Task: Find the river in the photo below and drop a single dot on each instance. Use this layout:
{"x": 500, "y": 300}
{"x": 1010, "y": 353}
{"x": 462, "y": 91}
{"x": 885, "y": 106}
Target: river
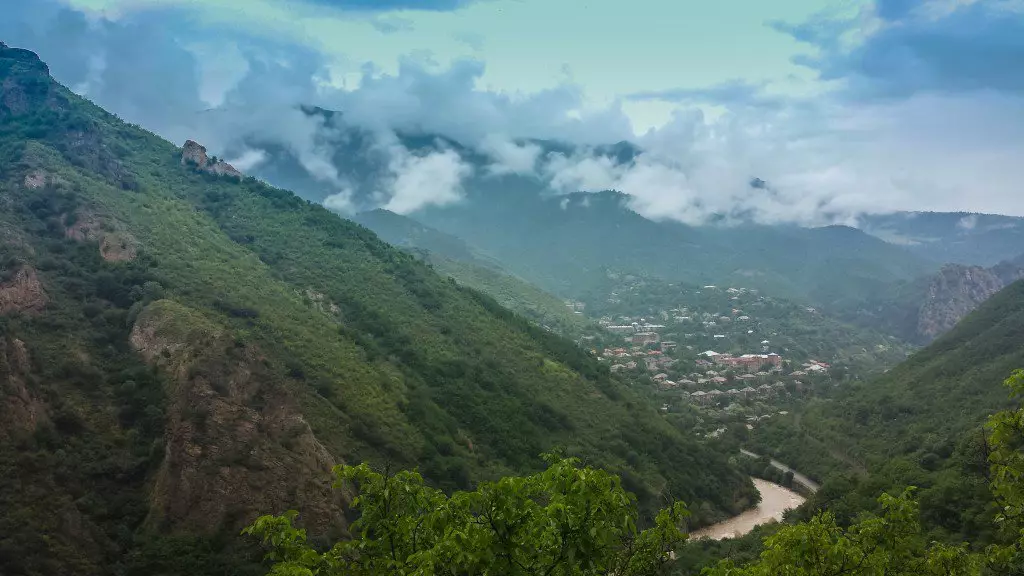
{"x": 775, "y": 500}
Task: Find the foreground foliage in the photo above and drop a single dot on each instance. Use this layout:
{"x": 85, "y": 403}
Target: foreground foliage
{"x": 573, "y": 520}
{"x": 564, "y": 520}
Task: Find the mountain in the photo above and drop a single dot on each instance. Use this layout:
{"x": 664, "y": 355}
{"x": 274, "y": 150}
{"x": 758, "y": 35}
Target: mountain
{"x": 919, "y": 424}
{"x": 951, "y": 237}
{"x": 558, "y": 242}
{"x": 183, "y": 347}
{"x": 469, "y": 266}
{"x": 920, "y": 310}
{"x": 562, "y": 243}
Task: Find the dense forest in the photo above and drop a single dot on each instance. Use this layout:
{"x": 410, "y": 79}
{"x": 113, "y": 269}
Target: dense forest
{"x": 570, "y": 519}
{"x": 919, "y": 424}
{"x": 184, "y": 347}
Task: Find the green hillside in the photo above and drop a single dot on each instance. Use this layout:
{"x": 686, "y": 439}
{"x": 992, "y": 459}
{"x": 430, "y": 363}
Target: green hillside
{"x": 469, "y": 266}
{"x": 182, "y": 348}
{"x": 919, "y": 424}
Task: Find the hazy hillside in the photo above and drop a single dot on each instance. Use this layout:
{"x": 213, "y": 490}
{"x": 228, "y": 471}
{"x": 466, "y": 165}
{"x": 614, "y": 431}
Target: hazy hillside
{"x": 561, "y": 242}
{"x": 181, "y": 348}
{"x": 557, "y": 241}
{"x": 957, "y": 237}
{"x": 470, "y": 267}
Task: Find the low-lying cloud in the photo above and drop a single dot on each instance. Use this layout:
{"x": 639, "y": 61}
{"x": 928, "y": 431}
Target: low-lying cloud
{"x": 937, "y": 126}
{"x": 415, "y": 182}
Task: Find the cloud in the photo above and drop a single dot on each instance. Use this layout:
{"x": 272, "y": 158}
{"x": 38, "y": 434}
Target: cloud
{"x": 909, "y": 47}
{"x": 968, "y": 222}
{"x": 434, "y": 179}
{"x": 248, "y": 160}
{"x": 422, "y": 97}
{"x": 341, "y": 202}
{"x": 919, "y": 108}
{"x": 509, "y": 157}
{"x": 732, "y": 92}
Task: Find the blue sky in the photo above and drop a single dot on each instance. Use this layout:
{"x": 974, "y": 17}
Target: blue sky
{"x": 845, "y": 106}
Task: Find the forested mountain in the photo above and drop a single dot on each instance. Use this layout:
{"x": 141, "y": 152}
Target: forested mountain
{"x": 469, "y": 266}
{"x": 557, "y": 241}
{"x": 560, "y": 243}
{"x": 182, "y": 347}
{"x": 919, "y": 424}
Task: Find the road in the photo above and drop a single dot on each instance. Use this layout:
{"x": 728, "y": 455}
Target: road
{"x": 797, "y": 477}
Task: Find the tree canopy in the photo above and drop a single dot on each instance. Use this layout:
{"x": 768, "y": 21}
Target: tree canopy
{"x": 577, "y": 520}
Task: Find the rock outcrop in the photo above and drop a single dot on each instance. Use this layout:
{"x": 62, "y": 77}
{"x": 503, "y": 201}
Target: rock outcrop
{"x": 22, "y": 293}
{"x": 956, "y": 290}
{"x": 20, "y": 410}
{"x": 236, "y": 444}
{"x": 35, "y": 179}
{"x": 194, "y": 154}
{"x": 114, "y": 245}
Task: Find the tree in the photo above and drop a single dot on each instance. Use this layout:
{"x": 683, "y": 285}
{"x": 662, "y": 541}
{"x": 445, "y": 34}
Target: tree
{"x": 565, "y": 520}
{"x": 580, "y": 521}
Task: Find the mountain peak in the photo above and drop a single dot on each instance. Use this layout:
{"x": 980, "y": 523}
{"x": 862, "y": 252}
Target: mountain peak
{"x": 26, "y": 81}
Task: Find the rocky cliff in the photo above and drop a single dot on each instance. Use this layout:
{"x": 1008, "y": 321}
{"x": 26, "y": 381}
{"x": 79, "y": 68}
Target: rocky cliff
{"x": 194, "y": 154}
{"x": 236, "y": 443}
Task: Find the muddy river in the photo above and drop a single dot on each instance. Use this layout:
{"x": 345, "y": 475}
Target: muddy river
{"x": 775, "y": 500}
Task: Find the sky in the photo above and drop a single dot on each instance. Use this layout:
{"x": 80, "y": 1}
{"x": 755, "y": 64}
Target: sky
{"x": 843, "y": 107}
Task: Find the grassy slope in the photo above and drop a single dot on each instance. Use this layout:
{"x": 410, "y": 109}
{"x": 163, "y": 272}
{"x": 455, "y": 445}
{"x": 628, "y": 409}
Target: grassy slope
{"x": 409, "y": 368}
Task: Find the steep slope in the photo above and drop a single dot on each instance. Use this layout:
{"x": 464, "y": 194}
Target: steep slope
{"x": 918, "y": 424}
{"x": 922, "y": 309}
{"x": 470, "y": 267}
{"x": 183, "y": 348}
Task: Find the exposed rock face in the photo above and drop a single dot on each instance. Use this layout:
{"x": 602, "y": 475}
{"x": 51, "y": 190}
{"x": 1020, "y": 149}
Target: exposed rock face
{"x": 952, "y": 293}
{"x": 35, "y": 180}
{"x": 114, "y": 246}
{"x": 236, "y": 444}
{"x": 22, "y": 293}
{"x": 194, "y": 153}
{"x": 20, "y": 90}
{"x": 20, "y": 411}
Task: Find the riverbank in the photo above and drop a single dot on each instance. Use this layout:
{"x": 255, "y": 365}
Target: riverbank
{"x": 775, "y": 501}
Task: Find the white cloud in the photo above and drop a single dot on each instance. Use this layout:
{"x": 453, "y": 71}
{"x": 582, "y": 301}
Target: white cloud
{"x": 340, "y": 202}
{"x": 248, "y": 159}
{"x": 420, "y": 181}
{"x": 968, "y": 222}
{"x": 508, "y": 157}
{"x": 221, "y": 67}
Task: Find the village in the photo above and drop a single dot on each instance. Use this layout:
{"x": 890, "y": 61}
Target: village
{"x": 715, "y": 353}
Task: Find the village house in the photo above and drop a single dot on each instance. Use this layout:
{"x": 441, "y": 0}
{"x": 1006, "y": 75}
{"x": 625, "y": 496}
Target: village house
{"x": 641, "y": 338}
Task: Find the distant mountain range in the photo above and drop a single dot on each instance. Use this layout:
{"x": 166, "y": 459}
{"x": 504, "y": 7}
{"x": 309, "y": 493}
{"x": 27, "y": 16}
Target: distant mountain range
{"x": 559, "y": 242}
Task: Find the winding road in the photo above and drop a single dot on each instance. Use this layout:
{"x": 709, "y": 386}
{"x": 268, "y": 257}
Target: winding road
{"x": 804, "y": 481}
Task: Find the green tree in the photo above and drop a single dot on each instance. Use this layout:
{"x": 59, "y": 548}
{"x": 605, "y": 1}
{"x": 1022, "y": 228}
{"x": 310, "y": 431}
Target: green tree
{"x": 565, "y": 520}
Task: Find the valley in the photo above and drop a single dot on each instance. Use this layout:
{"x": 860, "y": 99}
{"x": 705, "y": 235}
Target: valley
{"x": 349, "y": 288}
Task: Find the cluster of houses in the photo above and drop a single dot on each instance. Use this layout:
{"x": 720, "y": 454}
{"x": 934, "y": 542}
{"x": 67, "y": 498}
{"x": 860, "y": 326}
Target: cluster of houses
{"x": 632, "y": 358}
{"x": 747, "y": 361}
{"x": 745, "y": 393}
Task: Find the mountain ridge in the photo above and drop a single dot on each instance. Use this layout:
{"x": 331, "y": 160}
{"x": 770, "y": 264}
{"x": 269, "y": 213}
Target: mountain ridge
{"x": 232, "y": 341}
